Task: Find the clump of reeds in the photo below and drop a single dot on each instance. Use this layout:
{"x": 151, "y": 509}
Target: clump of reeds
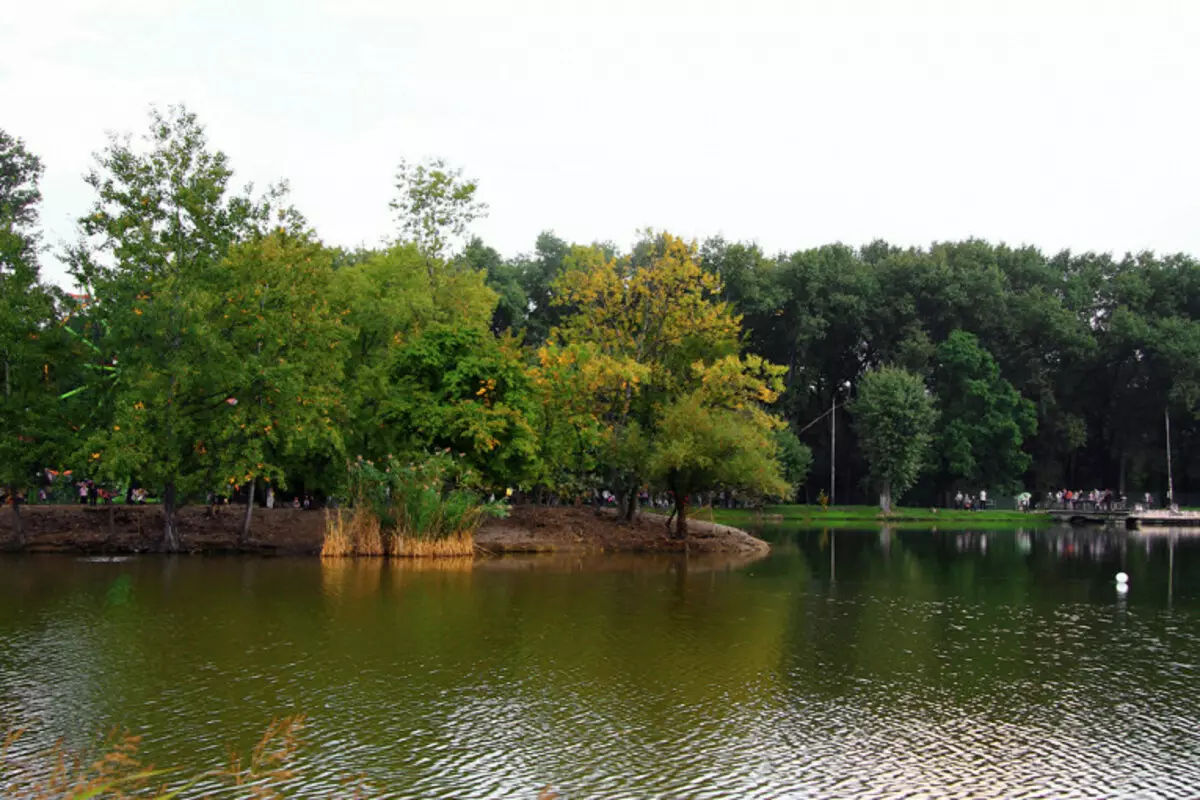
{"x": 422, "y": 509}
{"x": 454, "y": 545}
{"x": 356, "y": 533}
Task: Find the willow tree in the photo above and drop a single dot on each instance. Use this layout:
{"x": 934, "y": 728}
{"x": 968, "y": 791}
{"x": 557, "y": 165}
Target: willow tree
{"x": 163, "y": 219}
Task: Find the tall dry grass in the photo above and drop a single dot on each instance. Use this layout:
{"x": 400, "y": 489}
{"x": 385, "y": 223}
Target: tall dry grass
{"x": 425, "y": 508}
{"x": 115, "y": 770}
{"x": 454, "y": 545}
{"x": 352, "y": 533}
{"x": 360, "y": 532}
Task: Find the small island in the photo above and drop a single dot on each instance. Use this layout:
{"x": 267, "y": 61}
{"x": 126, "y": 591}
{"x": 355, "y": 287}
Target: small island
{"x": 124, "y": 530}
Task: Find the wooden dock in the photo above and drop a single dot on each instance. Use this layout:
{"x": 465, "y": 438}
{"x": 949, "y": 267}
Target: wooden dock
{"x": 1133, "y": 519}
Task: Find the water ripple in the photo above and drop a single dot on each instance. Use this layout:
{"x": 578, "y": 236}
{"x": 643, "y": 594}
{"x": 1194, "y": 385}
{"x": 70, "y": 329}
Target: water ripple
{"x": 666, "y": 683}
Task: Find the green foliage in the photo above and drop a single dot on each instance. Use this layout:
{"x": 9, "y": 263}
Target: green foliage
{"x": 701, "y": 447}
{"x": 160, "y": 226}
{"x": 984, "y": 419}
{"x": 434, "y": 204}
{"x": 32, "y": 346}
{"x": 661, "y": 345}
{"x": 894, "y": 415}
{"x": 276, "y": 350}
{"x": 795, "y": 458}
{"x": 571, "y": 384}
{"x": 433, "y": 496}
{"x": 386, "y": 299}
{"x": 538, "y": 274}
{"x": 504, "y": 279}
{"x": 464, "y": 389}
{"x": 568, "y": 368}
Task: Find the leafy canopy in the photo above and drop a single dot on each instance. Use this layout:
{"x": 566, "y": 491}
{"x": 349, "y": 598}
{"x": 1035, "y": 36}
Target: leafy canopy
{"x": 434, "y": 205}
{"x": 894, "y": 416}
{"x": 32, "y": 355}
{"x": 985, "y": 421}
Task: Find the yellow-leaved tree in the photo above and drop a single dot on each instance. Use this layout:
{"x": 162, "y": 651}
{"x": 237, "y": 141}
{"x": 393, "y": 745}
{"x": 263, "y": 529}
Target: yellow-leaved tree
{"x": 674, "y": 405}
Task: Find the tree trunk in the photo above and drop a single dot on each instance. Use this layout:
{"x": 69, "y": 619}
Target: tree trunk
{"x": 681, "y": 528}
{"x": 885, "y": 497}
{"x": 244, "y": 536}
{"x": 18, "y": 525}
{"x": 631, "y": 505}
{"x": 170, "y": 523}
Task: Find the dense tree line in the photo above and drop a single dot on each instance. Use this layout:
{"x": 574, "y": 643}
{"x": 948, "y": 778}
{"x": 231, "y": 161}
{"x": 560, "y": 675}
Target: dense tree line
{"x": 1047, "y": 371}
{"x": 217, "y": 345}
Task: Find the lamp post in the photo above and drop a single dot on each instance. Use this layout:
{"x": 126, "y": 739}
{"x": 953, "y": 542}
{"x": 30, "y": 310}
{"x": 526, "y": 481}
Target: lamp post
{"x": 833, "y": 407}
{"x": 832, "y": 446}
{"x": 1170, "y": 479}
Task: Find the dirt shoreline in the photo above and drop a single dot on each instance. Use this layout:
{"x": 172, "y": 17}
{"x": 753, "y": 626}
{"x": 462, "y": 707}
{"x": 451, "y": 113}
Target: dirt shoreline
{"x": 121, "y": 529}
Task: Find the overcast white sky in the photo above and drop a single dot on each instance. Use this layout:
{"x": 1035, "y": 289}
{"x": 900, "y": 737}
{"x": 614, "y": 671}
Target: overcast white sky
{"x": 1059, "y": 123}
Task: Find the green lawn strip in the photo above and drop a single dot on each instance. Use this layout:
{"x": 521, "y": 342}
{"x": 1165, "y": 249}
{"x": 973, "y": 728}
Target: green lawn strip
{"x": 850, "y": 515}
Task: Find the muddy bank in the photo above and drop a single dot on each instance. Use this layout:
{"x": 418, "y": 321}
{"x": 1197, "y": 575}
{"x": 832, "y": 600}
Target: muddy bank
{"x": 287, "y": 531}
{"x": 532, "y": 529}
{"x": 139, "y": 529}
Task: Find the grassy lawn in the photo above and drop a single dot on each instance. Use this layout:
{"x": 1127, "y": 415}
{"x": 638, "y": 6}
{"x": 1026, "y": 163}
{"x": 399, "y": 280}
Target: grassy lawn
{"x": 868, "y": 515}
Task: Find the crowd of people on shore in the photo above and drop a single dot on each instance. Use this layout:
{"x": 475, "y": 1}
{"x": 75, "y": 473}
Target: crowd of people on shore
{"x": 968, "y": 502}
{"x": 1093, "y": 500}
{"x": 57, "y": 488}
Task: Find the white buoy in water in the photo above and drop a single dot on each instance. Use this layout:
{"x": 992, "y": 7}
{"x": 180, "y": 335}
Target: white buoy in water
{"x": 1122, "y": 578}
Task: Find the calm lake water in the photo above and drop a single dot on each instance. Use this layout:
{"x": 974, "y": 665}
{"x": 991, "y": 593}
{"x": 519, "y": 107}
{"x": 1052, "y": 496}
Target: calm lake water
{"x": 859, "y": 664}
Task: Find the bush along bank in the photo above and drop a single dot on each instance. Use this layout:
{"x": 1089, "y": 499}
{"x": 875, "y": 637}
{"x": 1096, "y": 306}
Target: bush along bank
{"x": 430, "y": 507}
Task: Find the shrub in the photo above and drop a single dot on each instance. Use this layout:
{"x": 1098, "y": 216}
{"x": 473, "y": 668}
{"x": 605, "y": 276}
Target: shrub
{"x": 429, "y": 506}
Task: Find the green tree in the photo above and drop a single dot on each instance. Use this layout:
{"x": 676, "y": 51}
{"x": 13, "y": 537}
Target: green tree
{"x": 538, "y": 275}
{"x": 651, "y": 322}
{"x": 162, "y": 221}
{"x": 29, "y": 427}
{"x": 461, "y": 388}
{"x": 386, "y": 300}
{"x": 576, "y": 388}
{"x": 434, "y": 205}
{"x": 504, "y": 279}
{"x": 894, "y": 415}
{"x": 795, "y": 458}
{"x": 985, "y": 421}
{"x": 277, "y": 352}
{"x": 669, "y": 346}
{"x": 719, "y": 436}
